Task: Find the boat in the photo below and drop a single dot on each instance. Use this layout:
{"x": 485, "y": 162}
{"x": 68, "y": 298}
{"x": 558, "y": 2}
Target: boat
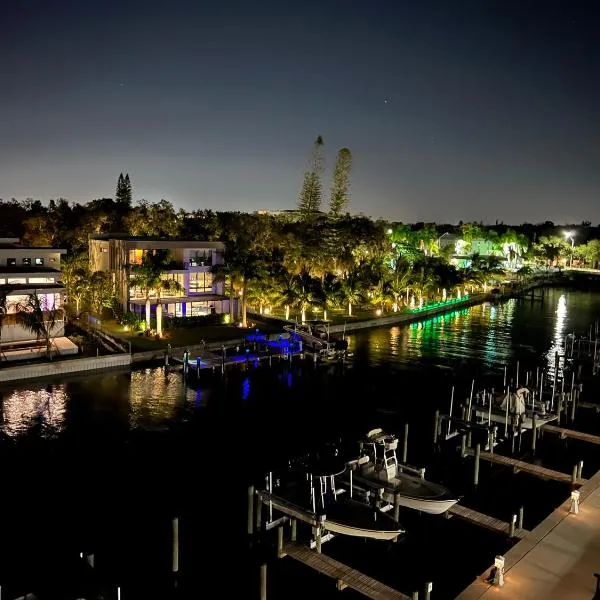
{"x": 311, "y": 485}
{"x": 377, "y": 467}
{"x": 316, "y": 338}
{"x": 510, "y": 408}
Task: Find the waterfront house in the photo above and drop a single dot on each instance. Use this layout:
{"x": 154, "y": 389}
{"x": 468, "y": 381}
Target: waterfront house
{"x": 25, "y": 271}
{"x": 190, "y": 265}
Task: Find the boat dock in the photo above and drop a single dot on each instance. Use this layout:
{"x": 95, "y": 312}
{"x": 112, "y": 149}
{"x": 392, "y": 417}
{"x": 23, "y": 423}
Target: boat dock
{"x": 345, "y": 576}
{"x": 491, "y": 523}
{"x": 521, "y": 465}
{"x": 556, "y": 560}
{"x": 572, "y": 433}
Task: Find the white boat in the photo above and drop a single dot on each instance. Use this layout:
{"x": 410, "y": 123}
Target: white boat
{"x": 312, "y": 487}
{"x": 315, "y": 338}
{"x": 377, "y": 468}
{"x": 510, "y": 408}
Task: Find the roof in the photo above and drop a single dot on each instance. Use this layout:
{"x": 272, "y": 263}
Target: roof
{"x": 11, "y": 246}
{"x": 31, "y": 287}
{"x": 134, "y": 241}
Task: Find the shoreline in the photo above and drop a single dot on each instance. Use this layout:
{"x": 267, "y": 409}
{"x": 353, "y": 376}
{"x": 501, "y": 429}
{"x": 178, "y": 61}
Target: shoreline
{"x": 93, "y": 364}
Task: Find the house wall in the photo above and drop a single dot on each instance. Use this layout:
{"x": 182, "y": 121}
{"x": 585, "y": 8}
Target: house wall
{"x": 16, "y": 333}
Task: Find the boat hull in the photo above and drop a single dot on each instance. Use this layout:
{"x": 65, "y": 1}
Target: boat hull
{"x": 346, "y": 529}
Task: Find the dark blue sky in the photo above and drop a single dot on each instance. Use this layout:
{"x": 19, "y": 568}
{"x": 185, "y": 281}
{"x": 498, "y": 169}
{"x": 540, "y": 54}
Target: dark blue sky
{"x": 492, "y": 112}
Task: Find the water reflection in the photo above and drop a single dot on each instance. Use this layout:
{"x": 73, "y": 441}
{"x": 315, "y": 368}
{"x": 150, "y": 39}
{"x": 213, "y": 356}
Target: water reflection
{"x": 38, "y": 408}
{"x": 557, "y": 349}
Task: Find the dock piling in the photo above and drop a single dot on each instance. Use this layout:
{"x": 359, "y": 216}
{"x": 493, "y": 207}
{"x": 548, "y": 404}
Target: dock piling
{"x": 521, "y": 510}
{"x": 90, "y": 559}
{"x": 476, "y": 471}
{"x": 280, "y": 552}
{"x": 436, "y": 426}
{"x": 428, "y": 589}
{"x": 415, "y": 596}
{"x": 294, "y": 526}
{"x": 533, "y": 432}
{"x": 513, "y": 522}
{"x": 405, "y": 447}
{"x": 574, "y": 474}
{"x": 463, "y": 445}
{"x": 263, "y": 582}
{"x": 580, "y": 470}
{"x": 175, "y": 566}
{"x": 250, "y": 509}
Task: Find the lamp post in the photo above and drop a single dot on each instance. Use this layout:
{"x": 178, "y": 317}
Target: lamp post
{"x": 570, "y": 235}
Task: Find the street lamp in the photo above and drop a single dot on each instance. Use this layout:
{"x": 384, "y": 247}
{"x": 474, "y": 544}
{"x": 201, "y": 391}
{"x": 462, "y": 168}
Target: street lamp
{"x": 570, "y": 235}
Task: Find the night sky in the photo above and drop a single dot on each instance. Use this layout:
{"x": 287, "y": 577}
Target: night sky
{"x": 472, "y": 110}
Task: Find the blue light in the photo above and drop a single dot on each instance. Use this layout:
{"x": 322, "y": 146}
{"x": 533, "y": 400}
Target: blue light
{"x": 246, "y": 388}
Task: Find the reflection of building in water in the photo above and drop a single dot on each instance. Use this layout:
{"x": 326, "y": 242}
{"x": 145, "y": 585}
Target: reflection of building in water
{"x": 24, "y": 409}
{"x": 557, "y": 347}
{"x": 156, "y": 397}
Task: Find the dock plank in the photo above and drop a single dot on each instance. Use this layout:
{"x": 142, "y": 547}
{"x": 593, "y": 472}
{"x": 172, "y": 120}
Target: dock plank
{"x": 473, "y": 516}
{"x": 571, "y": 433}
{"x": 525, "y": 466}
{"x": 359, "y": 582}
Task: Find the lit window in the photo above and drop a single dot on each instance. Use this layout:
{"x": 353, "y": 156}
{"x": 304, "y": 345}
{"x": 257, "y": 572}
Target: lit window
{"x": 11, "y": 262}
{"x": 27, "y": 262}
{"x": 39, "y": 262}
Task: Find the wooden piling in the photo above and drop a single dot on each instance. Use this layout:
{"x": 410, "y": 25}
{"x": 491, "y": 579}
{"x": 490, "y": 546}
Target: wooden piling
{"x": 513, "y": 521}
{"x": 428, "y": 589}
{"x": 463, "y": 445}
{"x": 476, "y": 470}
{"x": 294, "y": 526}
{"x": 263, "y": 582}
{"x": 396, "y": 507}
{"x": 533, "y": 432}
{"x": 250, "y": 510}
{"x": 259, "y": 504}
{"x": 574, "y": 474}
{"x": 521, "y": 511}
{"x": 90, "y": 559}
{"x": 280, "y": 552}
{"x": 415, "y": 596}
{"x": 436, "y": 426}
{"x": 405, "y": 447}
{"x": 175, "y": 566}
{"x": 580, "y": 470}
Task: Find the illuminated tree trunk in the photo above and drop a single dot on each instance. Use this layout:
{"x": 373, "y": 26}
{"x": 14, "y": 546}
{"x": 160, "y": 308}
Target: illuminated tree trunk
{"x": 324, "y": 314}
{"x": 148, "y": 313}
{"x": 349, "y": 309}
{"x": 159, "y": 319}
{"x": 287, "y": 312}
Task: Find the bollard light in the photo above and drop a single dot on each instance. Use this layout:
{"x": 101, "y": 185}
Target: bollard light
{"x": 499, "y": 575}
{"x": 574, "y": 502}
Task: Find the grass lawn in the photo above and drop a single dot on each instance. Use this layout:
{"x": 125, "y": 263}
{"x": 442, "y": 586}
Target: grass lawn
{"x": 179, "y": 336}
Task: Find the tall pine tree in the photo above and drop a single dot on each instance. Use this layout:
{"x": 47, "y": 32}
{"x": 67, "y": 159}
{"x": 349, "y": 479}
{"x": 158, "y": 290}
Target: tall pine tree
{"x": 123, "y": 193}
{"x": 309, "y": 201}
{"x": 340, "y": 183}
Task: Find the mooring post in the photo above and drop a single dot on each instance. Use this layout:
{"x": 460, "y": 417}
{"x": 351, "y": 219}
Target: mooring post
{"x": 293, "y": 534}
{"x": 521, "y": 510}
{"x": 259, "y": 504}
{"x": 463, "y": 445}
{"x": 263, "y": 582}
{"x": 318, "y": 536}
{"x": 119, "y": 593}
{"x": 415, "y": 596}
{"x": 533, "y": 432}
{"x": 396, "y": 507}
{"x": 428, "y": 588}
{"x": 573, "y": 403}
{"x": 574, "y": 474}
{"x": 476, "y": 471}
{"x": 250, "y": 509}
{"x": 90, "y": 559}
{"x": 436, "y": 426}
{"x": 469, "y": 438}
{"x": 405, "y": 447}
{"x": 280, "y": 552}
{"x": 513, "y": 522}
{"x": 580, "y": 470}
{"x": 175, "y": 567}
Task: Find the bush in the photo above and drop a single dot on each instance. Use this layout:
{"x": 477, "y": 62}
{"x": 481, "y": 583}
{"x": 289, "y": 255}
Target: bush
{"x": 197, "y": 321}
{"x": 132, "y": 320}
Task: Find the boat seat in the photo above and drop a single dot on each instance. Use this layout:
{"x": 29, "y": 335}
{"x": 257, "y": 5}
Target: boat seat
{"x": 374, "y": 432}
{"x": 363, "y": 460}
{"x": 391, "y": 445}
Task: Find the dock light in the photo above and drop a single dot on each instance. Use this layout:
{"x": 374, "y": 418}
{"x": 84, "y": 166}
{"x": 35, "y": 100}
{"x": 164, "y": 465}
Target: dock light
{"x": 499, "y": 575}
{"x": 378, "y": 312}
{"x": 574, "y": 502}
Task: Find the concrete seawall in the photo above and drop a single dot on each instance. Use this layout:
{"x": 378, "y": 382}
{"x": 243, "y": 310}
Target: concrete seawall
{"x": 63, "y": 367}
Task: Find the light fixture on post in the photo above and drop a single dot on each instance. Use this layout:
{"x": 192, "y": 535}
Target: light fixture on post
{"x": 574, "y": 502}
{"x": 570, "y": 235}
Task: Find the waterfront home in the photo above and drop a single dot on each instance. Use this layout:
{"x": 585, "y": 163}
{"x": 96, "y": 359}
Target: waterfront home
{"x": 24, "y": 272}
{"x": 200, "y": 293}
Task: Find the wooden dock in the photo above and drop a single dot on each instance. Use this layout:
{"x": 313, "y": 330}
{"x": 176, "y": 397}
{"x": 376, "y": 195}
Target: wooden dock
{"x": 521, "y": 465}
{"x": 491, "y": 523}
{"x": 344, "y": 575}
{"x": 571, "y": 433}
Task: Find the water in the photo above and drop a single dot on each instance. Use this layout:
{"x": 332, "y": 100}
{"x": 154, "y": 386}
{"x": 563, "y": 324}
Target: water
{"x": 101, "y": 462}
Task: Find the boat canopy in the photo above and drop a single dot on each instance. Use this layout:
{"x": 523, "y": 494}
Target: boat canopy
{"x": 515, "y": 401}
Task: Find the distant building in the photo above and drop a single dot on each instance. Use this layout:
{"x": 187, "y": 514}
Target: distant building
{"x": 23, "y": 272}
{"x": 191, "y": 267}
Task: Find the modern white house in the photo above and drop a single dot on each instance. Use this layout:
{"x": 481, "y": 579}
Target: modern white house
{"x": 191, "y": 263}
{"x": 25, "y": 271}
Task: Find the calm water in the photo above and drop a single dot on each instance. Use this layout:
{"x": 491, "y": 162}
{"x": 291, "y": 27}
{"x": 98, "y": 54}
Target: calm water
{"x": 101, "y": 462}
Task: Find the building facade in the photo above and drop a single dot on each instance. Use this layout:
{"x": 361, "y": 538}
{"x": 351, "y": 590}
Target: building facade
{"x": 23, "y": 272}
{"x": 190, "y": 265}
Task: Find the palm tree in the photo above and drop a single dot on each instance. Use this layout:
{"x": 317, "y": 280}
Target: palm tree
{"x": 352, "y": 291}
{"x": 149, "y": 278}
{"x": 330, "y": 292}
{"x": 34, "y": 316}
{"x": 305, "y": 291}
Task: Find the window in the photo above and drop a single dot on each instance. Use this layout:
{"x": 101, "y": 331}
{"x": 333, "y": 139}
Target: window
{"x": 41, "y": 280}
{"x": 39, "y": 262}
{"x": 27, "y": 262}
{"x": 16, "y": 280}
{"x": 201, "y": 282}
{"x": 11, "y": 262}
{"x": 200, "y": 258}
{"x": 105, "y": 250}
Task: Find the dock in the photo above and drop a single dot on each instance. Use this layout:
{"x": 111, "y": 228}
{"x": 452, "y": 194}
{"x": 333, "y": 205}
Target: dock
{"x": 556, "y": 560}
{"x": 521, "y": 465}
{"x": 571, "y": 433}
{"x": 491, "y": 523}
{"x": 344, "y": 575}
